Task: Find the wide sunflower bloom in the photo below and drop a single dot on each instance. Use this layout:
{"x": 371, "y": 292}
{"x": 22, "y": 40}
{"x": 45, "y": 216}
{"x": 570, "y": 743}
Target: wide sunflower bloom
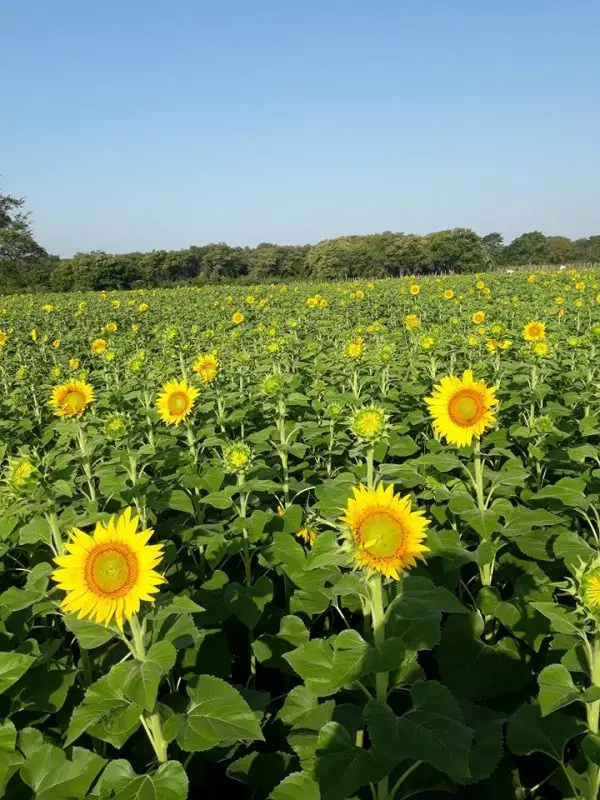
{"x": 386, "y": 535}
{"x": 207, "y": 366}
{"x": 534, "y": 331}
{"x": 107, "y": 574}
{"x": 176, "y": 401}
{"x": 71, "y": 399}
{"x": 462, "y": 408}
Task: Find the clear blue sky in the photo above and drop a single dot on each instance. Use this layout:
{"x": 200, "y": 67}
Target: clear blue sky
{"x": 134, "y": 125}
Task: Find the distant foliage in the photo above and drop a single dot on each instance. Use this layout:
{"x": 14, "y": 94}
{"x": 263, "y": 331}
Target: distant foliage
{"x": 26, "y": 266}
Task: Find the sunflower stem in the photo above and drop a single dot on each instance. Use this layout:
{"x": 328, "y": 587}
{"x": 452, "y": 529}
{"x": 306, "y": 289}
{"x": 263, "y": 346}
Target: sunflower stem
{"x": 57, "y": 542}
{"x": 593, "y": 715}
{"x": 85, "y": 460}
{"x": 381, "y": 678}
{"x": 370, "y": 466}
{"x": 150, "y": 720}
{"x": 486, "y": 570}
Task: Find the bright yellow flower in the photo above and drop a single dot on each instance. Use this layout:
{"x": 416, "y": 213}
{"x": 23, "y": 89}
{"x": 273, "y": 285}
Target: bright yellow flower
{"x": 111, "y": 327}
{"x": 238, "y": 318}
{"x": 98, "y": 346}
{"x": 56, "y": 343}
{"x": 33, "y": 334}
{"x": 48, "y": 308}
{"x": 559, "y": 300}
{"x": 386, "y": 535}
{"x": 354, "y": 349}
{"x": 207, "y": 366}
{"x": 415, "y": 289}
{"x": 360, "y": 295}
{"x": 534, "y": 331}
{"x": 478, "y": 317}
{"x": 449, "y": 294}
{"x": 462, "y": 408}
{"x": 427, "y": 342}
{"x": 74, "y": 363}
{"x": 3, "y": 338}
{"x": 580, "y": 286}
{"x": 107, "y": 574}
{"x": 480, "y": 285}
{"x": 250, "y": 299}
{"x": 143, "y": 307}
{"x": 116, "y": 304}
{"x": 411, "y": 321}
{"x": 531, "y": 279}
{"x": 176, "y": 401}
{"x": 311, "y": 302}
{"x": 307, "y": 534}
{"x": 71, "y": 399}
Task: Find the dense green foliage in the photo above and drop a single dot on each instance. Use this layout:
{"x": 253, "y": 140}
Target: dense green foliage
{"x": 26, "y": 266}
{"x": 260, "y": 662}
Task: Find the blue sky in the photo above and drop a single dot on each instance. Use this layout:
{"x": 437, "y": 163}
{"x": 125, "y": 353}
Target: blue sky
{"x": 165, "y": 123}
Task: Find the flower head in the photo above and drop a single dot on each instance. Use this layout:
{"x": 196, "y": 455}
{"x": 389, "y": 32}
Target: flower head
{"x": 237, "y": 457}
{"x": 385, "y": 534}
{"x": 462, "y": 408}
{"x": 534, "y": 331}
{"x": 368, "y": 423}
{"x": 175, "y": 401}
{"x": 71, "y": 399}
{"x": 207, "y": 366}
{"x": 107, "y": 574}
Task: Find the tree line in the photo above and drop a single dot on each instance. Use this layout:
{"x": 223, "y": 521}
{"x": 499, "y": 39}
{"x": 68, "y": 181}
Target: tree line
{"x": 26, "y": 266}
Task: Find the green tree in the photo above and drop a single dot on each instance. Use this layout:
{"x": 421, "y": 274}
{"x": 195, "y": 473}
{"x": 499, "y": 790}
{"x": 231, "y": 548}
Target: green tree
{"x": 23, "y": 261}
{"x": 494, "y": 244}
{"x": 529, "y": 248}
{"x": 560, "y": 250}
{"x": 457, "y": 250}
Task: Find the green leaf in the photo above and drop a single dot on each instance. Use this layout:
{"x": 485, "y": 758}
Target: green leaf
{"x": 248, "y": 602}
{"x": 10, "y": 760}
{"x": 573, "y": 549}
{"x": 217, "y": 716}
{"x": 12, "y": 667}
{"x": 556, "y": 688}
{"x": 314, "y": 662}
{"x": 120, "y": 782}
{"x": 591, "y": 748}
{"x": 105, "y": 711}
{"x": 569, "y": 491}
{"x": 49, "y": 773}
{"x": 141, "y": 685}
{"x": 561, "y": 620}
{"x": 297, "y": 703}
{"x": 476, "y": 670}
{"x": 529, "y": 732}
{"x": 89, "y": 634}
{"x": 179, "y": 500}
{"x": 297, "y": 786}
{"x": 432, "y": 731}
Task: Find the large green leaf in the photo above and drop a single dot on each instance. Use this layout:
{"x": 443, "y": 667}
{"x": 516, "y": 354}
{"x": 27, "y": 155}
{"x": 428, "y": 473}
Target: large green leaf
{"x": 12, "y": 667}
{"x": 529, "y": 732}
{"x": 50, "y": 774}
{"x": 556, "y": 688}
{"x": 297, "y": 786}
{"x": 217, "y": 716}
{"x": 141, "y": 685}
{"x": 432, "y": 731}
{"x": 120, "y": 782}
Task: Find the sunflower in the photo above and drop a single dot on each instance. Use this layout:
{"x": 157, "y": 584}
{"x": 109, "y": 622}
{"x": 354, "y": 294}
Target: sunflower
{"x": 411, "y": 321}
{"x": 462, "y": 408}
{"x": 448, "y": 294}
{"x": 534, "y": 331}
{"x": 98, "y": 346}
{"x": 478, "y": 317}
{"x": 71, "y": 399}
{"x": 111, "y": 327}
{"x": 307, "y": 534}
{"x": 238, "y": 318}
{"x": 105, "y": 575}
{"x": 207, "y": 366}
{"x": 354, "y": 349}
{"x": 368, "y": 423}
{"x": 386, "y": 535}
{"x": 74, "y": 363}
{"x": 541, "y": 349}
{"x": 176, "y": 401}
{"x": 3, "y": 338}
{"x": 143, "y": 307}
{"x": 415, "y": 289}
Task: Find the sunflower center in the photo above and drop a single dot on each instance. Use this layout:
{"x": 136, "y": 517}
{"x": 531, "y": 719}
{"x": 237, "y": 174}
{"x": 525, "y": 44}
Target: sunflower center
{"x": 178, "y": 403}
{"x": 381, "y": 534}
{"x": 111, "y": 570}
{"x": 465, "y": 408}
{"x": 534, "y": 330}
{"x": 74, "y": 400}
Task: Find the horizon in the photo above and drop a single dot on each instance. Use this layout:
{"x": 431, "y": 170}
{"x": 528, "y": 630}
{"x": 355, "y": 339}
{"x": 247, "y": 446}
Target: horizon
{"x": 132, "y": 131}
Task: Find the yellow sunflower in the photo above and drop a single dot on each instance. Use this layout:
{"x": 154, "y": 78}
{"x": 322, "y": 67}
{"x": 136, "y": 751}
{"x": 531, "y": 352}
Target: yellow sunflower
{"x": 98, "y": 346}
{"x": 71, "y": 399}
{"x": 207, "y": 366}
{"x": 478, "y": 317}
{"x": 176, "y": 401}
{"x": 3, "y": 338}
{"x": 307, "y": 534}
{"x": 415, "y": 289}
{"x": 111, "y": 327}
{"x": 238, "y": 318}
{"x": 411, "y": 321}
{"x": 534, "y": 331}
{"x": 386, "y": 535}
{"x": 105, "y": 575}
{"x": 449, "y": 294}
{"x": 462, "y": 408}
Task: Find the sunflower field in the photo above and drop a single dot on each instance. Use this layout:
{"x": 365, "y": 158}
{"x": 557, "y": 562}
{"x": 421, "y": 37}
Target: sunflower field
{"x": 302, "y": 542}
